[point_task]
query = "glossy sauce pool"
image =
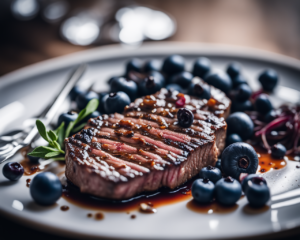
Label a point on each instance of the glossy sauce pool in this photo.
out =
(267, 162)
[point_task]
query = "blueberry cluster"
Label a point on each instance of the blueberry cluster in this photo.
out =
(240, 125)
(145, 78)
(239, 159)
(241, 92)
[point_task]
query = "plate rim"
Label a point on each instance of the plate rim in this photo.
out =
(117, 51)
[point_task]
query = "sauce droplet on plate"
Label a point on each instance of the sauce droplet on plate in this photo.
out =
(99, 216)
(64, 208)
(28, 182)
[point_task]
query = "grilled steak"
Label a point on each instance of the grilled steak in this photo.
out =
(118, 156)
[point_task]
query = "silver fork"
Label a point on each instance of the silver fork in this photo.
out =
(12, 136)
(10, 149)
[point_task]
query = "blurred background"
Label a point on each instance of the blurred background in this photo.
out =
(36, 30)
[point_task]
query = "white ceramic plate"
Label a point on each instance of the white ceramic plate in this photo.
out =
(32, 88)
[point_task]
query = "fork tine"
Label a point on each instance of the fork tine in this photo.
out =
(8, 148)
(4, 147)
(9, 154)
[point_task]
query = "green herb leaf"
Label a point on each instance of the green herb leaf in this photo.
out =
(59, 158)
(90, 107)
(55, 145)
(56, 138)
(52, 135)
(42, 130)
(69, 129)
(41, 151)
(79, 127)
(60, 132)
(52, 154)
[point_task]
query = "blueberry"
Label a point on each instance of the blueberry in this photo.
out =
(75, 92)
(270, 116)
(151, 84)
(249, 177)
(33, 159)
(83, 99)
(67, 118)
(201, 67)
(203, 190)
(228, 191)
(134, 64)
(151, 65)
(243, 92)
(238, 106)
(219, 80)
(183, 79)
(185, 117)
(101, 102)
(218, 164)
(241, 124)
(112, 79)
(115, 102)
(127, 86)
(211, 173)
(239, 158)
(173, 64)
(233, 69)
(92, 115)
(257, 192)
(268, 79)
(200, 90)
(45, 188)
(238, 80)
(278, 151)
(174, 86)
(13, 171)
(262, 104)
(233, 138)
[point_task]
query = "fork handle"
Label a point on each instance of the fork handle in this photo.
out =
(73, 79)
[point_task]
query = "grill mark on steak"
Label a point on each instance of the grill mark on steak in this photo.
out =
(124, 168)
(139, 143)
(118, 156)
(89, 151)
(139, 138)
(122, 151)
(159, 134)
(99, 166)
(124, 148)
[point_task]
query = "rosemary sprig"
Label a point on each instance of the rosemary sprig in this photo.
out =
(55, 138)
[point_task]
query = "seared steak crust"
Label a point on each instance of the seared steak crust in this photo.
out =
(118, 156)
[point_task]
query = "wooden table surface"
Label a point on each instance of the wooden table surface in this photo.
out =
(271, 25)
